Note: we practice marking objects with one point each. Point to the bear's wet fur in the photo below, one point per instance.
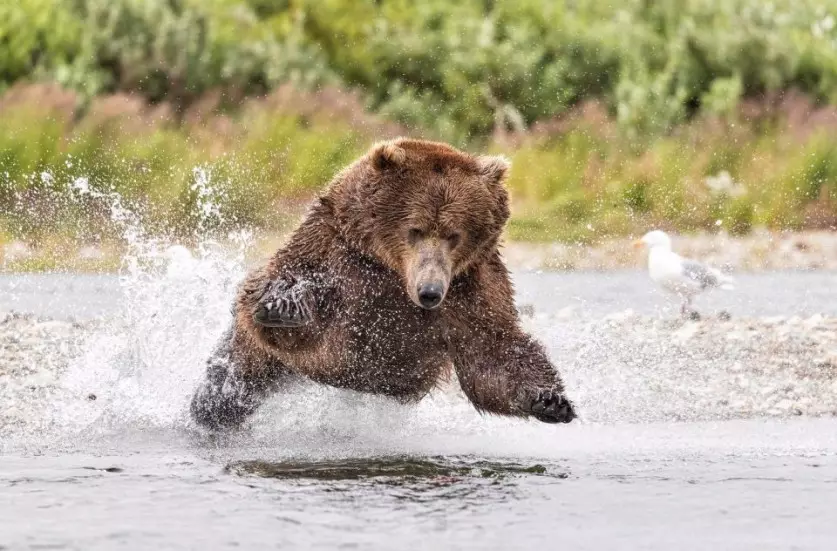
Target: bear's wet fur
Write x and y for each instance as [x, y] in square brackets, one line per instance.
[393, 279]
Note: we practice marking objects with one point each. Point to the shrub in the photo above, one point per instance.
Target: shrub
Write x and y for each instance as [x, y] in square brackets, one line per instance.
[459, 70]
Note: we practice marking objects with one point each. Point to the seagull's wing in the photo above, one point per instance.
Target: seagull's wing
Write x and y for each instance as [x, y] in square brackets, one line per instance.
[701, 273]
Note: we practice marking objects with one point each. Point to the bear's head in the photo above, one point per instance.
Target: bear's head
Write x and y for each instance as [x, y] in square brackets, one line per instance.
[424, 209]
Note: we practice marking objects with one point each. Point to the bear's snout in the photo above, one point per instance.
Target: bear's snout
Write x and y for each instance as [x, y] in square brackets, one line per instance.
[430, 295]
[428, 272]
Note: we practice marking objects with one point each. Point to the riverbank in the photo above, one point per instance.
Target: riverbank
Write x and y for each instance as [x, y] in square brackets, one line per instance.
[761, 250]
[626, 367]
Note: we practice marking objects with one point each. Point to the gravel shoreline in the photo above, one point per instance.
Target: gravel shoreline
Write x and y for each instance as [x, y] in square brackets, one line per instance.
[758, 251]
[630, 368]
[620, 368]
[34, 352]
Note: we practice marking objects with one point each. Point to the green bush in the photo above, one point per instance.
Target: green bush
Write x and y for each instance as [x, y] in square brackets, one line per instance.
[777, 178]
[675, 84]
[162, 49]
[459, 70]
[264, 164]
[255, 169]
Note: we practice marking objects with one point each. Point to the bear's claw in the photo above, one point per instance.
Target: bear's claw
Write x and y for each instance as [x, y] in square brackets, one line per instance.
[551, 406]
[285, 305]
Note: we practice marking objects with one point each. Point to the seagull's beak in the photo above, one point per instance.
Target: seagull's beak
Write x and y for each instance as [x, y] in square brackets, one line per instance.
[638, 243]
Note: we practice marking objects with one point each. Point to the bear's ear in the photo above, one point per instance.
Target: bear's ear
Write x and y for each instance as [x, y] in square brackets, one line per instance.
[493, 168]
[386, 155]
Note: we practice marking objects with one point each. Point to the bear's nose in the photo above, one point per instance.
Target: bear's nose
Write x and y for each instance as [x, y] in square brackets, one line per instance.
[430, 295]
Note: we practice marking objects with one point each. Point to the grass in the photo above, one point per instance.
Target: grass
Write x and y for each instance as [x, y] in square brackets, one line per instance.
[708, 176]
[251, 167]
[580, 181]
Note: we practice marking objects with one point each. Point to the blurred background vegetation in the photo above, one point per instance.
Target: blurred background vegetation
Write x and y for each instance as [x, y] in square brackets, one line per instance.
[715, 115]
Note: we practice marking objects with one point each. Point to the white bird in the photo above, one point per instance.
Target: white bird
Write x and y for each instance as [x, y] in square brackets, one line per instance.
[681, 276]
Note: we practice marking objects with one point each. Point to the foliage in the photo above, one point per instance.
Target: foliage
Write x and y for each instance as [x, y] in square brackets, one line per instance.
[162, 49]
[700, 122]
[711, 176]
[254, 166]
[261, 167]
[460, 69]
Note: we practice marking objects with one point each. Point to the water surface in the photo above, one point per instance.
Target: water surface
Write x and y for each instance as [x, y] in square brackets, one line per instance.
[322, 468]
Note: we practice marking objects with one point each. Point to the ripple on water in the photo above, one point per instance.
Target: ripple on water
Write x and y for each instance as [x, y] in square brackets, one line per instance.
[391, 468]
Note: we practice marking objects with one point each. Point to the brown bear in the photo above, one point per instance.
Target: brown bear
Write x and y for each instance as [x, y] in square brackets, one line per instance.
[393, 278]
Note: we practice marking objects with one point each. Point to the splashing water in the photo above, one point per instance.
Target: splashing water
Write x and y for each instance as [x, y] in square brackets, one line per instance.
[208, 199]
[139, 368]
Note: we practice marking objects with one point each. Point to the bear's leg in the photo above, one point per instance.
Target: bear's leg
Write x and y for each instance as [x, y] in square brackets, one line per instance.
[237, 382]
[511, 375]
[286, 303]
[501, 369]
[226, 398]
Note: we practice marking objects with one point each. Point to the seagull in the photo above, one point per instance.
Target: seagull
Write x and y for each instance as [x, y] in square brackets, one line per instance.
[681, 276]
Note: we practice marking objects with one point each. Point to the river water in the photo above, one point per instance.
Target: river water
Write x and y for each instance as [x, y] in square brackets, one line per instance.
[590, 294]
[734, 485]
[321, 468]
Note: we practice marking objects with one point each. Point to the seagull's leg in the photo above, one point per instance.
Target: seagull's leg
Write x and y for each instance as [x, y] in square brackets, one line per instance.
[688, 311]
[686, 307]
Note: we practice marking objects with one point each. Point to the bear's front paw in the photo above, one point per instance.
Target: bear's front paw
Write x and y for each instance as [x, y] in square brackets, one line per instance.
[286, 304]
[551, 406]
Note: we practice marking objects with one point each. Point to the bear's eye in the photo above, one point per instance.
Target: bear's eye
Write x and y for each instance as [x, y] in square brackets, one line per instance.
[453, 240]
[414, 235]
